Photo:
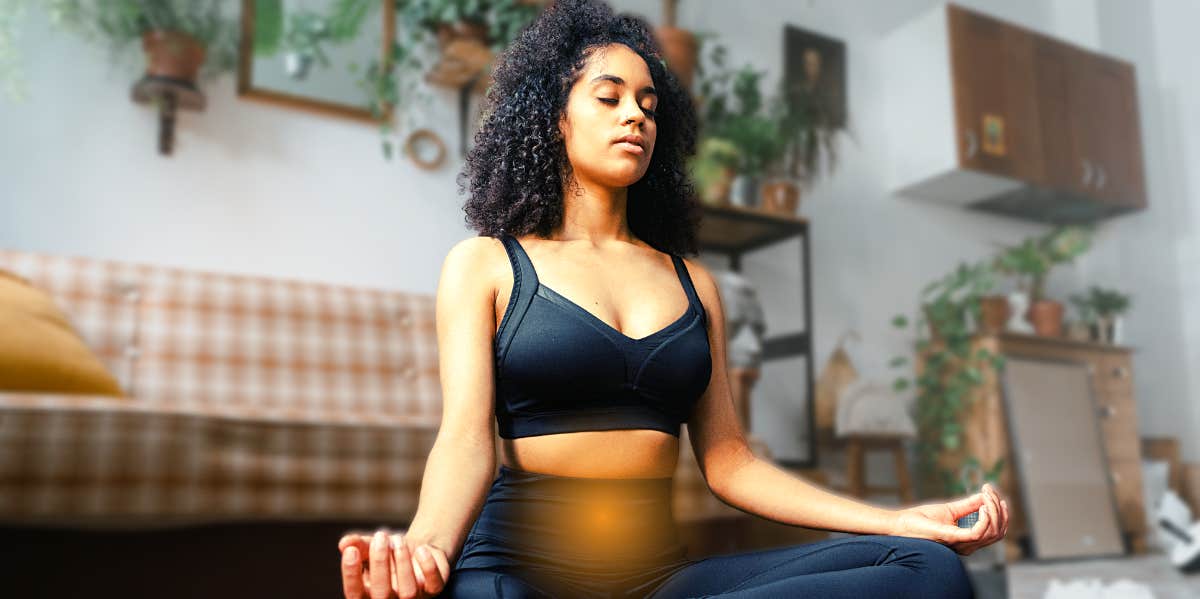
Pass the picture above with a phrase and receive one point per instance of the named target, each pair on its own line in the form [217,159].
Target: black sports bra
[559,368]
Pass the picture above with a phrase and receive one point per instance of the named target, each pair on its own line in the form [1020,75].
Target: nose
[633,115]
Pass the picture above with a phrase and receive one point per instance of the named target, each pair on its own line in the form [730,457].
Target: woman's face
[613,97]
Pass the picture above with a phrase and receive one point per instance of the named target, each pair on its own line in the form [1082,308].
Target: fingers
[406,583]
[380,576]
[430,569]
[966,505]
[1004,508]
[358,538]
[352,586]
[1001,513]
[993,513]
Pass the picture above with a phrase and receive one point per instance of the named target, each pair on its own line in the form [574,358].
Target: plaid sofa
[248,397]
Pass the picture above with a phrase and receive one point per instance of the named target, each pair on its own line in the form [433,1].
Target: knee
[472,583]
[940,566]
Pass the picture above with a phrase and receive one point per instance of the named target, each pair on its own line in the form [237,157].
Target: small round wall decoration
[420,144]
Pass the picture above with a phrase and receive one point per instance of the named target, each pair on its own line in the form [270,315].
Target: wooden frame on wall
[245,75]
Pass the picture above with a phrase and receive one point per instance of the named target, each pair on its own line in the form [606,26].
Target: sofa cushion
[40,350]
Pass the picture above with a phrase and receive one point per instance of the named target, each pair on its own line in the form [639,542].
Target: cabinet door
[1060,149]
[1088,119]
[1118,146]
[995,108]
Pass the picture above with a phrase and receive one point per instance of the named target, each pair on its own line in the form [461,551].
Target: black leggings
[544,536]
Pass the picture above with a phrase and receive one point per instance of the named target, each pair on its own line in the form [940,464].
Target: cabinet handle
[1120,372]
[1087,172]
[1108,411]
[1101,173]
[972,143]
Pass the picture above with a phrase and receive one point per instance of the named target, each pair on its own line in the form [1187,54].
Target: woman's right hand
[395,567]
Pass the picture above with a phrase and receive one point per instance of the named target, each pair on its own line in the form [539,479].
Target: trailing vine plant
[950,373]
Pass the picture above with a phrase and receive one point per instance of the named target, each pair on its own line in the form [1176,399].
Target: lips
[636,140]
[634,144]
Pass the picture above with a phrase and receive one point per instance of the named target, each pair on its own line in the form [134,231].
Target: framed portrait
[815,67]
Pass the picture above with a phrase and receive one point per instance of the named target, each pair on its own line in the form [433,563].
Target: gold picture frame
[249,89]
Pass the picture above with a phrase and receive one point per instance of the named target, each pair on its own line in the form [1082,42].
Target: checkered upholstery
[248,396]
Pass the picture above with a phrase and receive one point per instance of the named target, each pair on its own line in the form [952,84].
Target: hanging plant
[951,371]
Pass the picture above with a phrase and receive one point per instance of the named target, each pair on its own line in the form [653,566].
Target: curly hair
[516,168]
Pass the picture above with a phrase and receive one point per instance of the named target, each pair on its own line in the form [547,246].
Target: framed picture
[304,54]
[816,64]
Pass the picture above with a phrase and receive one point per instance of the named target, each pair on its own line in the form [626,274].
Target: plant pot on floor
[1047,318]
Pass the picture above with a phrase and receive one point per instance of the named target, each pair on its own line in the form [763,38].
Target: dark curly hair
[516,167]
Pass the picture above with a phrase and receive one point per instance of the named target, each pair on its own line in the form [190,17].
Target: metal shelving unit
[735,231]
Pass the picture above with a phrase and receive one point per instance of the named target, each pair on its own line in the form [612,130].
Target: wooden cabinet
[1000,118]
[995,115]
[986,434]
[1089,127]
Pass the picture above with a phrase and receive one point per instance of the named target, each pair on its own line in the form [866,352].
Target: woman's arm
[462,463]
[740,478]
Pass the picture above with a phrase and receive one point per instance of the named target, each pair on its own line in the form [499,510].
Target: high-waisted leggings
[544,536]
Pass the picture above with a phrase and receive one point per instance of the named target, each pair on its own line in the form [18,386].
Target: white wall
[250,187]
[1156,254]
[259,189]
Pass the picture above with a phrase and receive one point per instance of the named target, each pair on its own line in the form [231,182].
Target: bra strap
[524,286]
[686,279]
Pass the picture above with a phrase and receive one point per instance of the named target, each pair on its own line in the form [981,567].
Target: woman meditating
[575,325]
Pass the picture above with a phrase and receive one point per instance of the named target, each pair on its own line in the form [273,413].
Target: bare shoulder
[476,262]
[705,284]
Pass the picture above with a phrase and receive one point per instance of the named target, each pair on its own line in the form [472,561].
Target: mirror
[312,54]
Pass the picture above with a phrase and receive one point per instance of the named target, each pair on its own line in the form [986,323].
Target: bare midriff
[634,453]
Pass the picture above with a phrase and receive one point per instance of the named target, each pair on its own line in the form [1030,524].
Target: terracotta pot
[716,193]
[780,197]
[172,54]
[461,30]
[679,48]
[1047,318]
[993,313]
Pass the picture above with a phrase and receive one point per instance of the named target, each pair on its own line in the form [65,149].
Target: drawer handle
[1108,411]
[1120,372]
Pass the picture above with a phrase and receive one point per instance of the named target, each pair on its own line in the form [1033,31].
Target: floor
[1032,580]
[1107,578]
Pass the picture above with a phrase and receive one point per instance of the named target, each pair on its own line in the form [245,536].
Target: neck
[593,212]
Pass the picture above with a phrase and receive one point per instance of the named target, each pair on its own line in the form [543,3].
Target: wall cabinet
[996,117]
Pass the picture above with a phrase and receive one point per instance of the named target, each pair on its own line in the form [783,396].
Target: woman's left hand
[938,521]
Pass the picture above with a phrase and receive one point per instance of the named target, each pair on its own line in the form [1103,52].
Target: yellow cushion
[40,350]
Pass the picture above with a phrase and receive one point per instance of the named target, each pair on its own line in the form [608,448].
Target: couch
[248,397]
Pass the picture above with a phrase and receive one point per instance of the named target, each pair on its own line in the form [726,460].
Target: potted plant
[713,168]
[1101,309]
[1031,262]
[680,47]
[734,110]
[949,370]
[181,40]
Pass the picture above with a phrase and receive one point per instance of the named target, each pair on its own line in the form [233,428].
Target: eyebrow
[649,89]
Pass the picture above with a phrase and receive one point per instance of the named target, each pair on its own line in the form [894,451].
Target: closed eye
[614,101]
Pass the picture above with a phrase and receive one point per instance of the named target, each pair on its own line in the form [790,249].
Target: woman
[574,323]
